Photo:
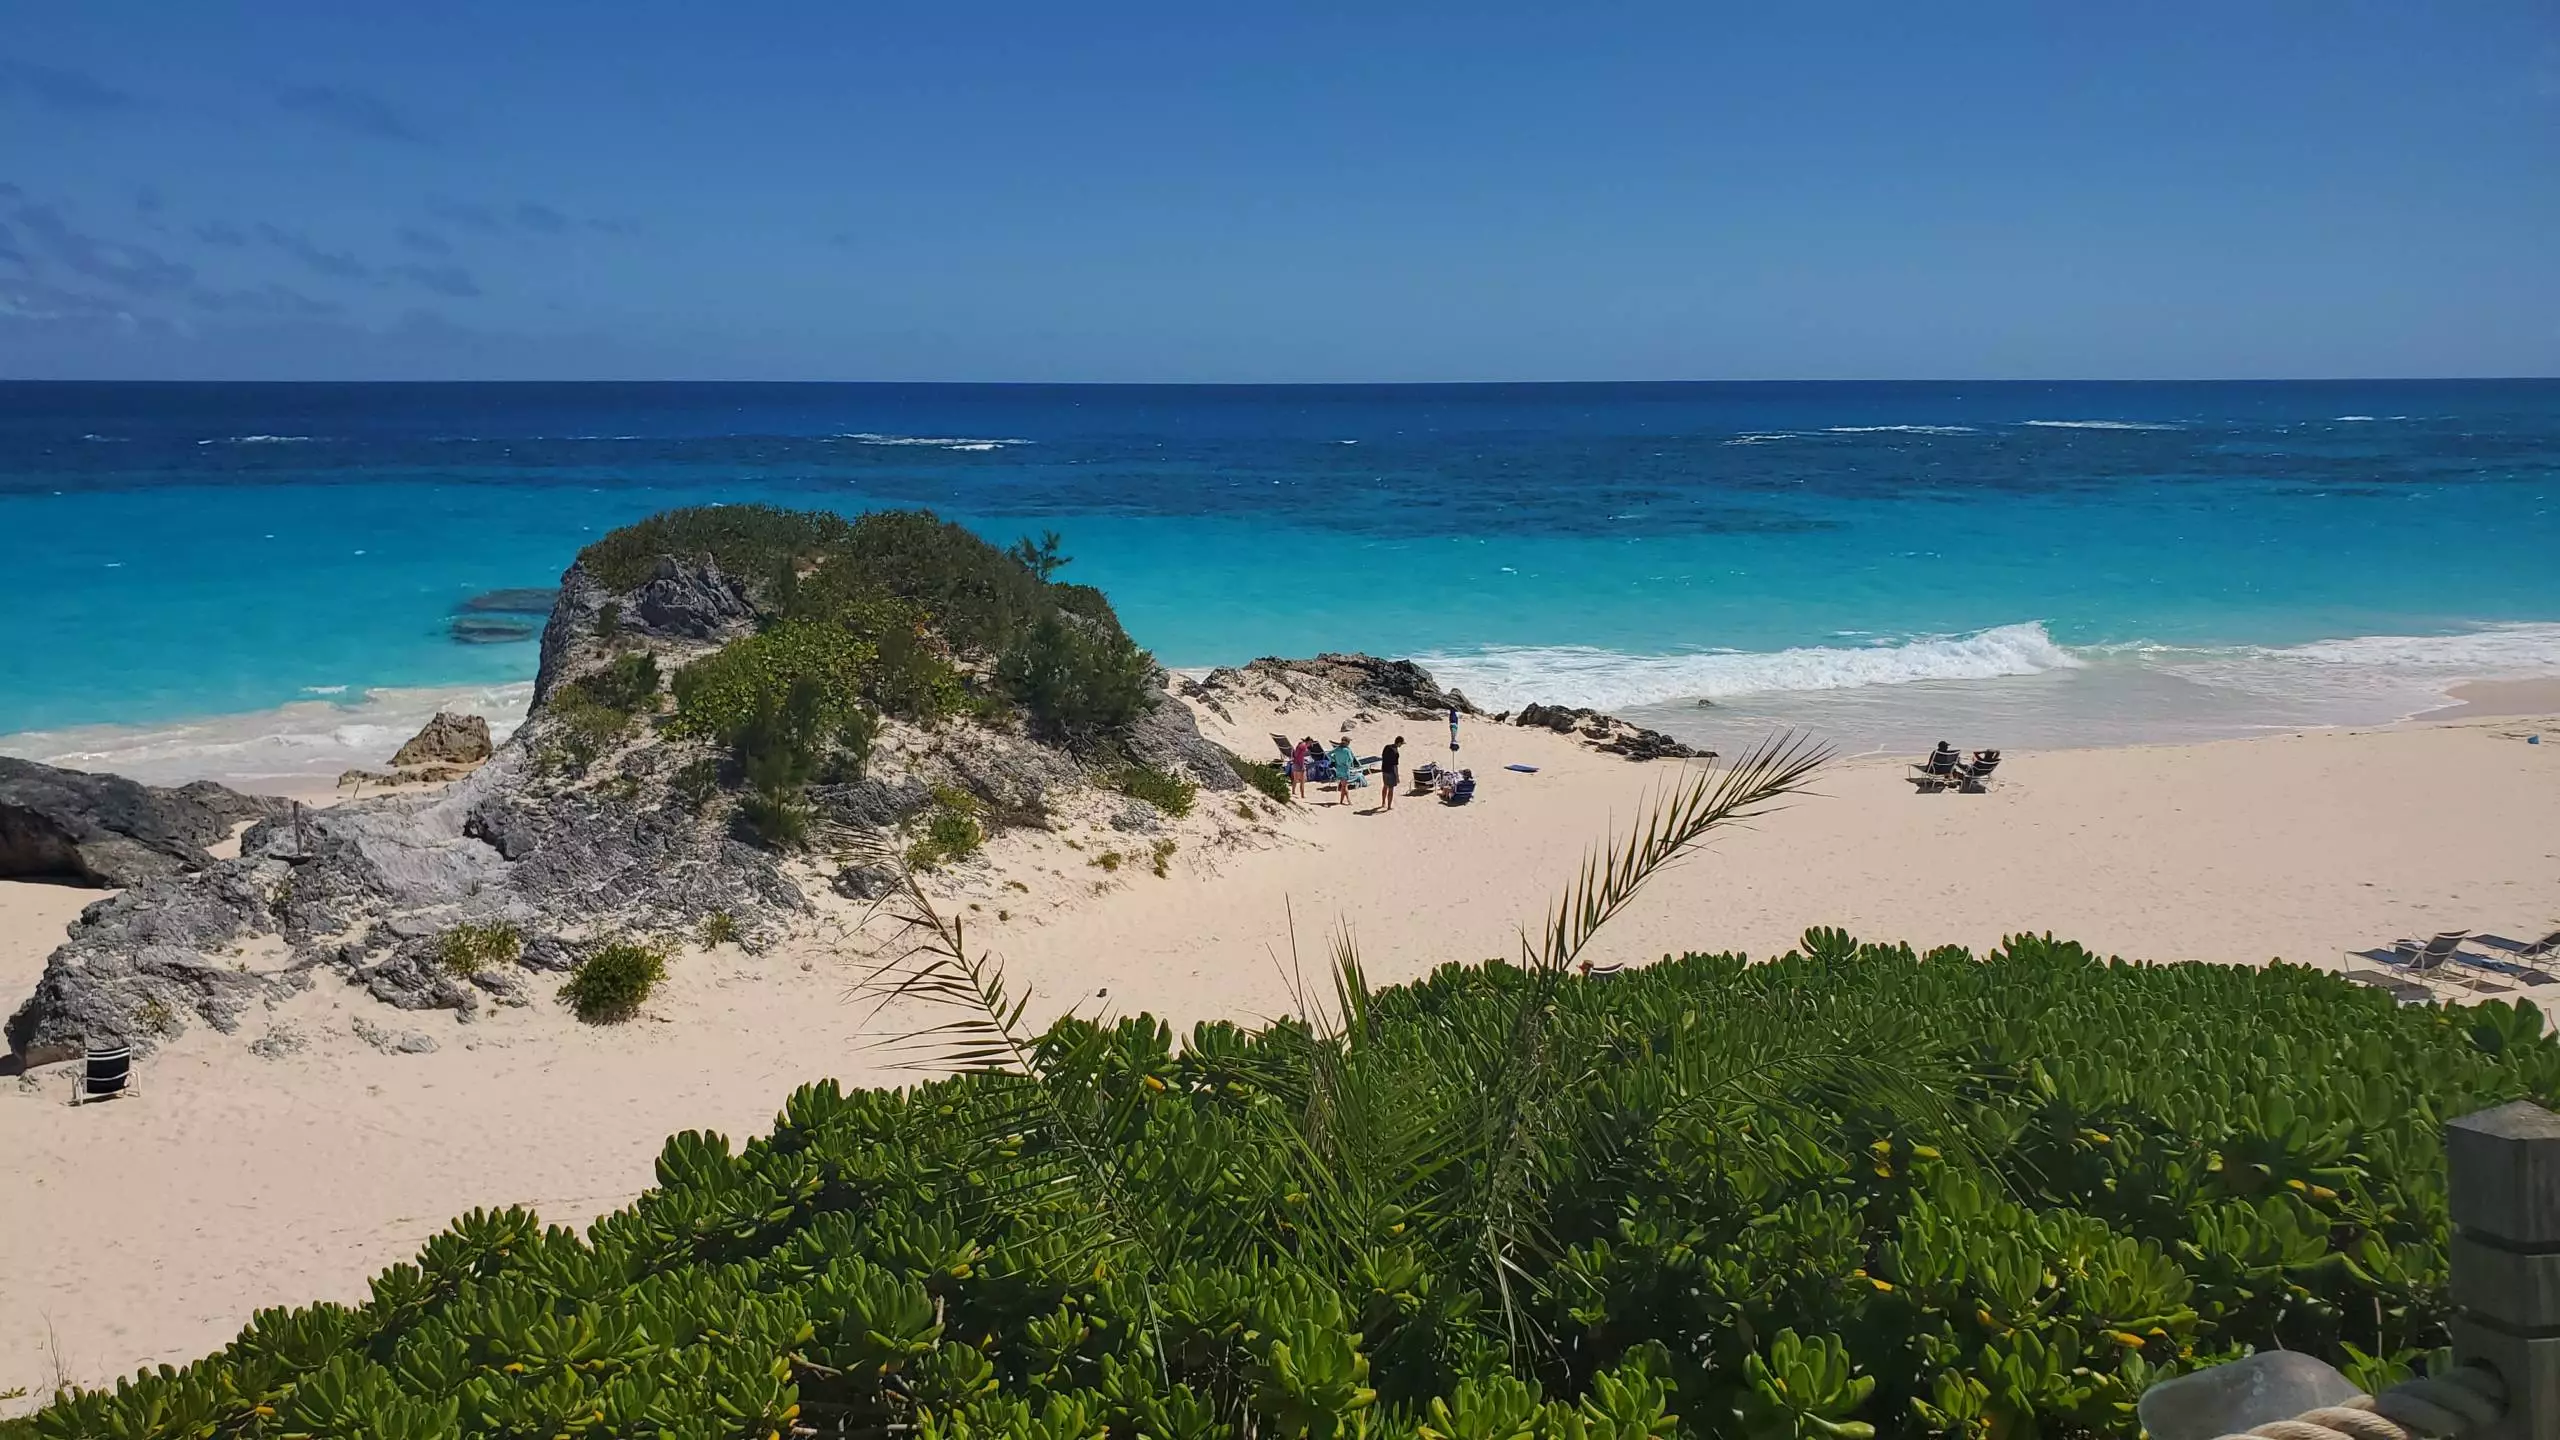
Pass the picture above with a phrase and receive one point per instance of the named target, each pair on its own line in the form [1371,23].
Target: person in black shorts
[1390,773]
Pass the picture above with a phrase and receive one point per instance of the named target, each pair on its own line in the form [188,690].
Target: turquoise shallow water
[2175,558]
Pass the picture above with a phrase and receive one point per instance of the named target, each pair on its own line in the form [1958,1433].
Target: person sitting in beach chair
[1968,779]
[1933,774]
[1457,787]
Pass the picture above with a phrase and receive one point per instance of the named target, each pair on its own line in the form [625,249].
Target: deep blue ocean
[2065,563]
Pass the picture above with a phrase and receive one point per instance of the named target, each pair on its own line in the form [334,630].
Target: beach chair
[104,1072]
[2435,961]
[1969,778]
[1286,745]
[2546,948]
[1935,773]
[2515,957]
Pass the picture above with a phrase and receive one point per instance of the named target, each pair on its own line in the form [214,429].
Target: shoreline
[323,1158]
[299,749]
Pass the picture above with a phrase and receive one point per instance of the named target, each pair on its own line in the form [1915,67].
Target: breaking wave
[308,740]
[2098,425]
[1508,677]
[1899,430]
[258,440]
[932,442]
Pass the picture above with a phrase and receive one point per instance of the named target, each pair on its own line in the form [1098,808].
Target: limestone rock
[105,830]
[447,740]
[872,804]
[1608,733]
[2228,1399]
[866,882]
[1167,737]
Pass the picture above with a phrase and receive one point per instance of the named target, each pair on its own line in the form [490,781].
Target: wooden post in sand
[2503,1176]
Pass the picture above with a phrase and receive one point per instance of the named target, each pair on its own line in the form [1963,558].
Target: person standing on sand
[1300,756]
[1390,772]
[1345,765]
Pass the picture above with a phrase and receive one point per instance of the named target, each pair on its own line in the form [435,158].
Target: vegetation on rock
[1078,681]
[475,946]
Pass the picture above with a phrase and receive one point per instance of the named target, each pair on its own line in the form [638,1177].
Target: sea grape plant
[1856,1190]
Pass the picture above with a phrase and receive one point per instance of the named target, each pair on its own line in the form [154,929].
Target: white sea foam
[2342,419]
[936,442]
[306,740]
[2098,425]
[1507,677]
[1765,437]
[104,439]
[258,440]
[1899,430]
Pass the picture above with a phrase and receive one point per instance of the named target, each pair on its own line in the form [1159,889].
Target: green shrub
[950,831]
[1273,784]
[609,621]
[614,981]
[695,784]
[629,684]
[1856,1186]
[582,729]
[758,543]
[1169,793]
[719,694]
[1078,683]
[474,946]
[1041,557]
[1108,862]
[1160,859]
[718,928]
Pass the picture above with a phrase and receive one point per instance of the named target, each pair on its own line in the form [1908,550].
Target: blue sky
[1107,192]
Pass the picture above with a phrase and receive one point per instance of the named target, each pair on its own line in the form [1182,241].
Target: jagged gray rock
[1167,737]
[871,804]
[866,882]
[1609,734]
[106,830]
[1398,685]
[136,966]
[368,888]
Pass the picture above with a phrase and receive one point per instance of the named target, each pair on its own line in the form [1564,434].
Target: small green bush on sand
[614,981]
[1271,783]
[1172,794]
[950,831]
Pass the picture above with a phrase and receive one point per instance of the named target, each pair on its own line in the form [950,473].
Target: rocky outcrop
[686,605]
[1400,686]
[1167,737]
[1607,733]
[447,740]
[138,966]
[366,891]
[105,830]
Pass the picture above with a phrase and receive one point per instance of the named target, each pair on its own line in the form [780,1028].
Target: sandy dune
[147,1230]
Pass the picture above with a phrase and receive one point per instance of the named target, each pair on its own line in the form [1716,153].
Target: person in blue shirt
[1345,765]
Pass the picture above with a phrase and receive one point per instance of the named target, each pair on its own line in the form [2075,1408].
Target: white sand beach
[148,1229]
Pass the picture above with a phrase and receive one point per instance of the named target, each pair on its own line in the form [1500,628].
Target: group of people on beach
[1344,765]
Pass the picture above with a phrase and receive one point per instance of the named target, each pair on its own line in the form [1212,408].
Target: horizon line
[1320,384]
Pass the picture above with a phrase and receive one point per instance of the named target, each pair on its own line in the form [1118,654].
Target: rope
[2447,1407]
